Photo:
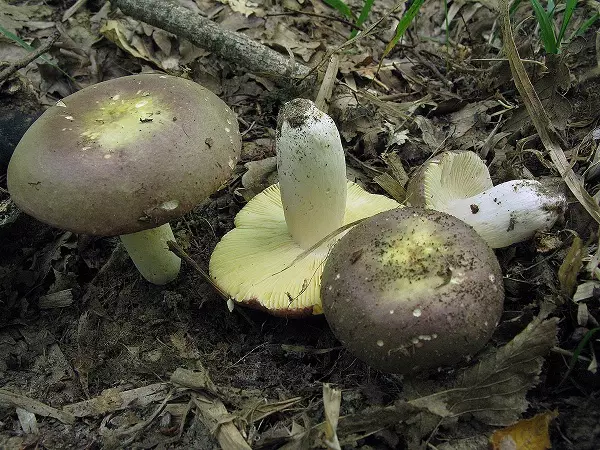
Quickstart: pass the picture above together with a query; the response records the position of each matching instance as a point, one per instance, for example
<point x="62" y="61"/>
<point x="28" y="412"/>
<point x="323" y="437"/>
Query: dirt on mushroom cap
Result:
<point x="412" y="289"/>
<point x="125" y="155"/>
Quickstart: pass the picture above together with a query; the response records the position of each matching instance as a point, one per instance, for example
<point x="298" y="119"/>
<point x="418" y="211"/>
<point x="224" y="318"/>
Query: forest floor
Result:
<point x="92" y="356"/>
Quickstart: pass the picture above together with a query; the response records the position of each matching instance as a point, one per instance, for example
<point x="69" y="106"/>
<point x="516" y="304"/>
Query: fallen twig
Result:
<point x="12" y="68"/>
<point x="175" y="248"/>
<point x="236" y="48"/>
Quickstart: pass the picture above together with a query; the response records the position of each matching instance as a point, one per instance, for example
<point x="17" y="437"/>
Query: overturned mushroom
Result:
<point x="124" y="157"/>
<point x="274" y="257"/>
<point x="511" y="212"/>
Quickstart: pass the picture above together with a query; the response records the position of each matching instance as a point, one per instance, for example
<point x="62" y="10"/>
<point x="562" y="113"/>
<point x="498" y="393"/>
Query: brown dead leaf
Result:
<point x="184" y="345"/>
<point x="494" y="390"/>
<point x="14" y="18"/>
<point x="570" y="267"/>
<point x="528" y="434"/>
<point x="259" y="176"/>
<point x="245" y="7"/>
<point x="332" y="399"/>
<point x="286" y="39"/>
<point x="122" y="33"/>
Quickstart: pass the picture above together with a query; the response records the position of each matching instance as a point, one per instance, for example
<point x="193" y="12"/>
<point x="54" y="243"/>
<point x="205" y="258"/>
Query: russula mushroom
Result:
<point x="273" y="258"/>
<point x="511" y="212"/>
<point x="412" y="289"/>
<point x="123" y="157"/>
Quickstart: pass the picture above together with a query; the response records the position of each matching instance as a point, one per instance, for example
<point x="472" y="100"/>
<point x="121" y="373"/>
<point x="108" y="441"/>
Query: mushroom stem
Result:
<point x="510" y="212"/>
<point x="312" y="172"/>
<point x="151" y="255"/>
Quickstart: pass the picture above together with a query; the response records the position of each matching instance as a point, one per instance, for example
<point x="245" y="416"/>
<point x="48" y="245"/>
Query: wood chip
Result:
<point x="60" y="299"/>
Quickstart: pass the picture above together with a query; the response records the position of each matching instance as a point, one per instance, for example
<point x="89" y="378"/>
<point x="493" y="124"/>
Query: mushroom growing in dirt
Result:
<point x="124" y="157"/>
<point x="412" y="289"/>
<point x="511" y="212"/>
<point x="273" y="259"/>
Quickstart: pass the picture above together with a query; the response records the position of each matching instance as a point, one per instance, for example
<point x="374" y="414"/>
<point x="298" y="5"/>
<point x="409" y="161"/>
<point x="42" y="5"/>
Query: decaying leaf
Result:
<point x="260" y="175"/>
<point x="13" y="18"/>
<point x="12" y="400"/>
<point x="494" y="390"/>
<point x="27" y="421"/>
<point x="111" y="400"/>
<point x="213" y="414"/>
<point x="586" y="290"/>
<point x="394" y="162"/>
<point x="332" y="399"/>
<point x="569" y="269"/>
<point x="245" y="7"/>
<point x="391" y="186"/>
<point x="184" y="345"/>
<point x="258" y="410"/>
<point x="527" y="434"/>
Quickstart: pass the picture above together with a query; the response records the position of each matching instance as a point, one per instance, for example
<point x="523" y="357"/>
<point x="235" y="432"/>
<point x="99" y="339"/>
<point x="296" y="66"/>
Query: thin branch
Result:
<point x="12" y="68"/>
<point x="235" y="48"/>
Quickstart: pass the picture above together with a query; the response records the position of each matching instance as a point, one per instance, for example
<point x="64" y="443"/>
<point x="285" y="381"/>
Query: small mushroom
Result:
<point x="412" y="289"/>
<point x="273" y="259"/>
<point x="511" y="212"/>
<point x="124" y="157"/>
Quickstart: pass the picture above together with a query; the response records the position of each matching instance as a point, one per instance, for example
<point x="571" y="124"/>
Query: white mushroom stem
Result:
<point x="312" y="172"/>
<point x="151" y="255"/>
<point x="510" y="212"/>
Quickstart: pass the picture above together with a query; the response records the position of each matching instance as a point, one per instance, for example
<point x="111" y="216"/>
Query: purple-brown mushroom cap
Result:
<point x="412" y="289"/>
<point x="125" y="155"/>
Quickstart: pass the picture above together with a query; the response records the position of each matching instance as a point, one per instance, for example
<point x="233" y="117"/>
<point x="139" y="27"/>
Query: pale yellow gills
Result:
<point x="255" y="263"/>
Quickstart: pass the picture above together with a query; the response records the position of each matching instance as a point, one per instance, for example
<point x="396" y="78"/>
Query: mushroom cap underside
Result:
<point x="259" y="265"/>
<point x="125" y="155"/>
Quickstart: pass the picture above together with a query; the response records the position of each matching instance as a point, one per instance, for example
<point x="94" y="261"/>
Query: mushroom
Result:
<point x="124" y="157"/>
<point x="511" y="212"/>
<point x="412" y="289"/>
<point x="273" y="259"/>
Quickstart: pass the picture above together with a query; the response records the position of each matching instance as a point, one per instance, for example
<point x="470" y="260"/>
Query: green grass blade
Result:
<point x="513" y="7"/>
<point x="403" y="25"/>
<point x="546" y="29"/>
<point x="341" y="7"/>
<point x="585" y="26"/>
<point x="581" y="346"/>
<point x="25" y="45"/>
<point x="364" y="14"/>
<point x="569" y="9"/>
<point x="15" y="38"/>
<point x="29" y="48"/>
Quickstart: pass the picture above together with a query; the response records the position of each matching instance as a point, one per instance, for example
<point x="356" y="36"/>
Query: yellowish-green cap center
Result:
<point x="114" y="122"/>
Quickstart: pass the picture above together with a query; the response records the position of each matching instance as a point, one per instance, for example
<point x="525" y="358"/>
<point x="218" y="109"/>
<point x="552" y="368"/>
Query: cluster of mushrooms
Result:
<point x="404" y="288"/>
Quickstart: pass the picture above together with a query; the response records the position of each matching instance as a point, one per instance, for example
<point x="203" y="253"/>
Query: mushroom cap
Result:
<point x="511" y="212"/>
<point x="125" y="155"/>
<point x="412" y="289"/>
<point x="447" y="177"/>
<point x="259" y="265"/>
